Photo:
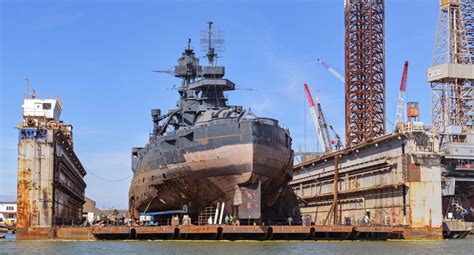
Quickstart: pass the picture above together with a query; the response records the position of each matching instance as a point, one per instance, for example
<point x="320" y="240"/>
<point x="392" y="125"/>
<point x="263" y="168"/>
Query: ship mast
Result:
<point x="211" y="54"/>
<point x="212" y="41"/>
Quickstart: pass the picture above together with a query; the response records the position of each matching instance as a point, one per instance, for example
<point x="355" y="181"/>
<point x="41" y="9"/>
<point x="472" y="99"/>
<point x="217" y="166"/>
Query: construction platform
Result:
<point x="216" y="232"/>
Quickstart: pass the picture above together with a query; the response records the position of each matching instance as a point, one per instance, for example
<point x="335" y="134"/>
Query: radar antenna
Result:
<point x="173" y="71"/>
<point x="212" y="41"/>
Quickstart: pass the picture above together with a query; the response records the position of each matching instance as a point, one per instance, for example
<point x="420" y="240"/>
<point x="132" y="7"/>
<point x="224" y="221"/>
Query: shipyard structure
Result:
<point x="419" y="177"/>
<point x="50" y="176"/>
<point x="206" y="158"/>
<point x="393" y="180"/>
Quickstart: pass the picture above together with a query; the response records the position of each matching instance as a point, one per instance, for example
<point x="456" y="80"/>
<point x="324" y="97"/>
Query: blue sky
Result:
<point x="98" y="56"/>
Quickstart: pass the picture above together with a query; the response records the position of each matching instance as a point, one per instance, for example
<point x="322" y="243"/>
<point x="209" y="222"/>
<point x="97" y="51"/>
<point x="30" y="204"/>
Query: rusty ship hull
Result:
<point x="204" y="165"/>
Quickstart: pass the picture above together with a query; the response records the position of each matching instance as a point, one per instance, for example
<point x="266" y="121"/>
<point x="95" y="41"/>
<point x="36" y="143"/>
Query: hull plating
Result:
<point x="202" y="166"/>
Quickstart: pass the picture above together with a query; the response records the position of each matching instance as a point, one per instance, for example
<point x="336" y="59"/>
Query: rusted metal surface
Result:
<point x="73" y="233"/>
<point x="243" y="229"/>
<point x="50" y="176"/>
<point x="413" y="172"/>
<point x="423" y="233"/>
<point x="334" y="228"/>
<point x="23" y="197"/>
<point x="219" y="232"/>
<point x="291" y="229"/>
<point x="50" y="179"/>
<point x="110" y="230"/>
<point x="212" y="229"/>
<point x="394" y="180"/>
<point x="334" y="207"/>
<point x="155" y="230"/>
<point x="62" y="233"/>
<point x="225" y="232"/>
<point x="373" y="229"/>
<point x="34" y="233"/>
<point x="365" y="70"/>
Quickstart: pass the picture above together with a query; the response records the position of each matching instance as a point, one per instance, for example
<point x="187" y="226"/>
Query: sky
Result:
<point x="98" y="56"/>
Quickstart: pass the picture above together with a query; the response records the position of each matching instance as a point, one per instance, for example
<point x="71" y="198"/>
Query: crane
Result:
<point x="333" y="71"/>
<point x="320" y="123"/>
<point x="401" y="94"/>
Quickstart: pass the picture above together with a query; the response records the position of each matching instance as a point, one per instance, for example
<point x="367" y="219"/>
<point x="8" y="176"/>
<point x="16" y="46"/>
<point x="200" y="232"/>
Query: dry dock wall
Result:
<point x="394" y="180"/>
<point x="213" y="232"/>
<point x="50" y="189"/>
<point x="50" y="180"/>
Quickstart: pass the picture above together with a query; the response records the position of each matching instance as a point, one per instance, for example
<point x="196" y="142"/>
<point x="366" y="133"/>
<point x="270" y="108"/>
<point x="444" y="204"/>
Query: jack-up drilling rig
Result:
<point x="452" y="84"/>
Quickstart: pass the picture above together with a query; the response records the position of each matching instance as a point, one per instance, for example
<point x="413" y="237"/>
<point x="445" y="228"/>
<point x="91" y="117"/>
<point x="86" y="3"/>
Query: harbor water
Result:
<point x="455" y="246"/>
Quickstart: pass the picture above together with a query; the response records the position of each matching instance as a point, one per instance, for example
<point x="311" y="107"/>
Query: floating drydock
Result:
<point x="50" y="175"/>
<point x="393" y="180"/>
<point x="216" y="232"/>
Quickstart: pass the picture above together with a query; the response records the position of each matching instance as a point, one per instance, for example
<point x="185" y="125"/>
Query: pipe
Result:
<point x="217" y="213"/>
<point x="222" y="213"/>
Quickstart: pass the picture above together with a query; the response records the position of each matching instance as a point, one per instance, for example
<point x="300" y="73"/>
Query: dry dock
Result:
<point x="393" y="180"/>
<point x="414" y="183"/>
<point x="216" y="232"/>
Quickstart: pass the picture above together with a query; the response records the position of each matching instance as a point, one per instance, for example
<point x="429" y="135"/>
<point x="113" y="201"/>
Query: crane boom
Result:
<point x="322" y="127"/>
<point x="401" y="94"/>
<point x="316" y="117"/>
<point x="333" y="71"/>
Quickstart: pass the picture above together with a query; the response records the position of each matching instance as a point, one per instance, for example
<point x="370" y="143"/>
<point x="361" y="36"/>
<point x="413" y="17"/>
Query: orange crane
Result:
<point x="322" y="128"/>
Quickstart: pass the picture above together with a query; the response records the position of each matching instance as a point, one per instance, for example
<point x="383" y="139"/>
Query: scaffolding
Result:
<point x="365" y="70"/>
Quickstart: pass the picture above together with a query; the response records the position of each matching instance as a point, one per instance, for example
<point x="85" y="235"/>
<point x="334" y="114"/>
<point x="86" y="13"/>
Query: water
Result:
<point x="458" y="246"/>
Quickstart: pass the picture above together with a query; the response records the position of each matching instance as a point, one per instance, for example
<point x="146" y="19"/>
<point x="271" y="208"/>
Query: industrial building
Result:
<point x="7" y="213"/>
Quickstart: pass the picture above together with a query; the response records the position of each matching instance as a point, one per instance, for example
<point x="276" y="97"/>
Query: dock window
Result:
<point x="46" y="106"/>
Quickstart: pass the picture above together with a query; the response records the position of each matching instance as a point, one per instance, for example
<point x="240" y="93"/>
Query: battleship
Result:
<point x="206" y="153"/>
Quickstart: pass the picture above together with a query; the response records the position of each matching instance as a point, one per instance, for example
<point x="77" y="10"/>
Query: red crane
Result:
<point x="320" y="123"/>
<point x="401" y="95"/>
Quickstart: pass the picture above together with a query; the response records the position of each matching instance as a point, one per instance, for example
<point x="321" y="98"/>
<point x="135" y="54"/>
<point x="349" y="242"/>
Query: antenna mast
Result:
<point x="26" y="93"/>
<point x="211" y="54"/>
<point x="212" y="41"/>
